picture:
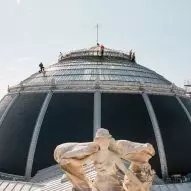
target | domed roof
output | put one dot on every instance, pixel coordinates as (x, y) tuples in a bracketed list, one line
[(85, 91), (86, 69)]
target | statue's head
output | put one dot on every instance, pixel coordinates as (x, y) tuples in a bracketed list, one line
[(102, 133), (102, 137)]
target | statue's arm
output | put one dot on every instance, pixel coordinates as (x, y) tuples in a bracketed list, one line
[(120, 165), (129, 175), (80, 151)]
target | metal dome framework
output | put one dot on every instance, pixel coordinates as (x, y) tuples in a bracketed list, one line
[(86, 71)]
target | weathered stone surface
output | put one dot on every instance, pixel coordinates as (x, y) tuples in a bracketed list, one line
[(107, 155)]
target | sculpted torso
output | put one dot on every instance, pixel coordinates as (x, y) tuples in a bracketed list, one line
[(104, 162)]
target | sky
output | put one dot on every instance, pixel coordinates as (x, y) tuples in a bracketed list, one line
[(31, 31)]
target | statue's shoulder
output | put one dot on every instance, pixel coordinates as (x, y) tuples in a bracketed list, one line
[(134, 151), (87, 146), (130, 146), (75, 145), (75, 149)]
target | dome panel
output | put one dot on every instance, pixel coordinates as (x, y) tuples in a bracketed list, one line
[(16, 132), (113, 70), (86, 71), (4, 103), (176, 130), (69, 118), (126, 117), (187, 103)]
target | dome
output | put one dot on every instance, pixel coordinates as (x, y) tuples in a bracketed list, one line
[(84, 91), (83, 69)]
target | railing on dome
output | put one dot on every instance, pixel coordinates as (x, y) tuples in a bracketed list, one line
[(187, 83), (90, 53), (104, 86), (12, 177), (178, 178)]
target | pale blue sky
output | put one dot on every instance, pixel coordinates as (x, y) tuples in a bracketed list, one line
[(32, 31)]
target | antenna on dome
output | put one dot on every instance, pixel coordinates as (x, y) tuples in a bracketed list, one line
[(97, 27)]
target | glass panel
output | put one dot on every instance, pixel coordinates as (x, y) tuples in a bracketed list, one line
[(176, 130), (26, 187), (18, 187), (16, 132), (69, 118), (126, 117), (3, 185), (187, 103), (4, 103), (11, 186)]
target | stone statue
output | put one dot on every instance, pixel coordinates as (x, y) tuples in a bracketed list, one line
[(107, 155)]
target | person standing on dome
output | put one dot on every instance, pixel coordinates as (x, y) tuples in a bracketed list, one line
[(133, 57), (102, 50), (41, 68), (61, 56), (130, 54)]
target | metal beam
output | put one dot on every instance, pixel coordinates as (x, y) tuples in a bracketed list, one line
[(7, 109), (158, 137), (35, 136), (97, 111), (184, 108)]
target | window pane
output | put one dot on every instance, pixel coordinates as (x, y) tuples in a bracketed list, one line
[(176, 130), (126, 117)]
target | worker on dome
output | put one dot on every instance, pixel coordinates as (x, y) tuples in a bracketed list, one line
[(61, 55), (41, 68), (130, 54), (102, 50), (133, 57)]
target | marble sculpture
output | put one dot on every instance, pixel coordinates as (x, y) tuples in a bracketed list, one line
[(108, 156)]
